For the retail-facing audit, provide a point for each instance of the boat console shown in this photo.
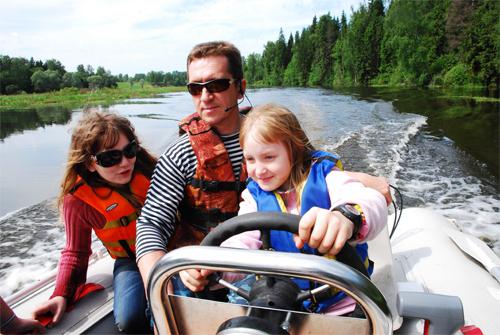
(182, 315)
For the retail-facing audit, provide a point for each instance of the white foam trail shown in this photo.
(331, 147)
(12, 214)
(411, 130)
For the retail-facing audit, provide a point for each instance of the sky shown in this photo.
(131, 36)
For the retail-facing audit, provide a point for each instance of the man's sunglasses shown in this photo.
(212, 86)
(112, 157)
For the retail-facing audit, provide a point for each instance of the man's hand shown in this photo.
(195, 279)
(327, 231)
(379, 184)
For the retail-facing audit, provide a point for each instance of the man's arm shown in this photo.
(156, 223)
(379, 184)
(146, 263)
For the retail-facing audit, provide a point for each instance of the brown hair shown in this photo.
(219, 48)
(94, 132)
(273, 123)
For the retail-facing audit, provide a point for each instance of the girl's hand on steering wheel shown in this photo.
(325, 230)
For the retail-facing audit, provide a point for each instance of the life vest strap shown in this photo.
(127, 249)
(121, 248)
(338, 163)
(209, 219)
(116, 244)
(123, 221)
(215, 186)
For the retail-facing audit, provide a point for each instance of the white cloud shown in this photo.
(129, 36)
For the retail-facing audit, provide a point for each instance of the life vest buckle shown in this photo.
(209, 185)
(124, 221)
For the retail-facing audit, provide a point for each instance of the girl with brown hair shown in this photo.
(103, 189)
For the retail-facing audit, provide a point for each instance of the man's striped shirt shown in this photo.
(175, 168)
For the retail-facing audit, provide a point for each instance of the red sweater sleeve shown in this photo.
(79, 219)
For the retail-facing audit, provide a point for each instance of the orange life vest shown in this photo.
(118, 233)
(213, 194)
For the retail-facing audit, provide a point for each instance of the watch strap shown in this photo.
(356, 219)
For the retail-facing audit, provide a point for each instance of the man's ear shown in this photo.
(243, 86)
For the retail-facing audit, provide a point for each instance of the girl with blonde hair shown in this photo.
(288, 175)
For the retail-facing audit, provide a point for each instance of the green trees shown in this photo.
(20, 75)
(175, 78)
(417, 43)
(15, 75)
(159, 78)
(324, 36)
(414, 42)
(253, 71)
(481, 47)
(274, 61)
(46, 81)
(155, 77)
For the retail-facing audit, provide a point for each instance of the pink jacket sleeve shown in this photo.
(344, 189)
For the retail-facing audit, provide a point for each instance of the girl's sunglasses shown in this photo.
(212, 86)
(112, 157)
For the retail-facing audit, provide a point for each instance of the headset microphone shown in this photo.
(227, 109)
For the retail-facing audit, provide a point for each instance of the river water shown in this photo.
(441, 153)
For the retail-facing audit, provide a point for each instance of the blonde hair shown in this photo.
(272, 123)
(94, 132)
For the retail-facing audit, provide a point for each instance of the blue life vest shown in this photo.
(314, 194)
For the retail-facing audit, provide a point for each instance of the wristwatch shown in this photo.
(350, 212)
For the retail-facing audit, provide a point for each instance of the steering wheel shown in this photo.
(274, 221)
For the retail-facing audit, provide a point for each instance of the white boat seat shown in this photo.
(380, 252)
(86, 314)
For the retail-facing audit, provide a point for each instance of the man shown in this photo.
(209, 151)
(216, 83)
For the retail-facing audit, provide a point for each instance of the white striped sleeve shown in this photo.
(174, 170)
(156, 223)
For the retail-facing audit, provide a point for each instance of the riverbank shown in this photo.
(476, 94)
(76, 98)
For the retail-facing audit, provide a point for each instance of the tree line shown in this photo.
(18, 75)
(409, 43)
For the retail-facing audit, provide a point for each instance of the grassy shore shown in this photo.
(77, 98)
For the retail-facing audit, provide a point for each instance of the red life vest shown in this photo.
(213, 194)
(118, 233)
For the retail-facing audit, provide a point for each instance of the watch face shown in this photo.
(352, 209)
